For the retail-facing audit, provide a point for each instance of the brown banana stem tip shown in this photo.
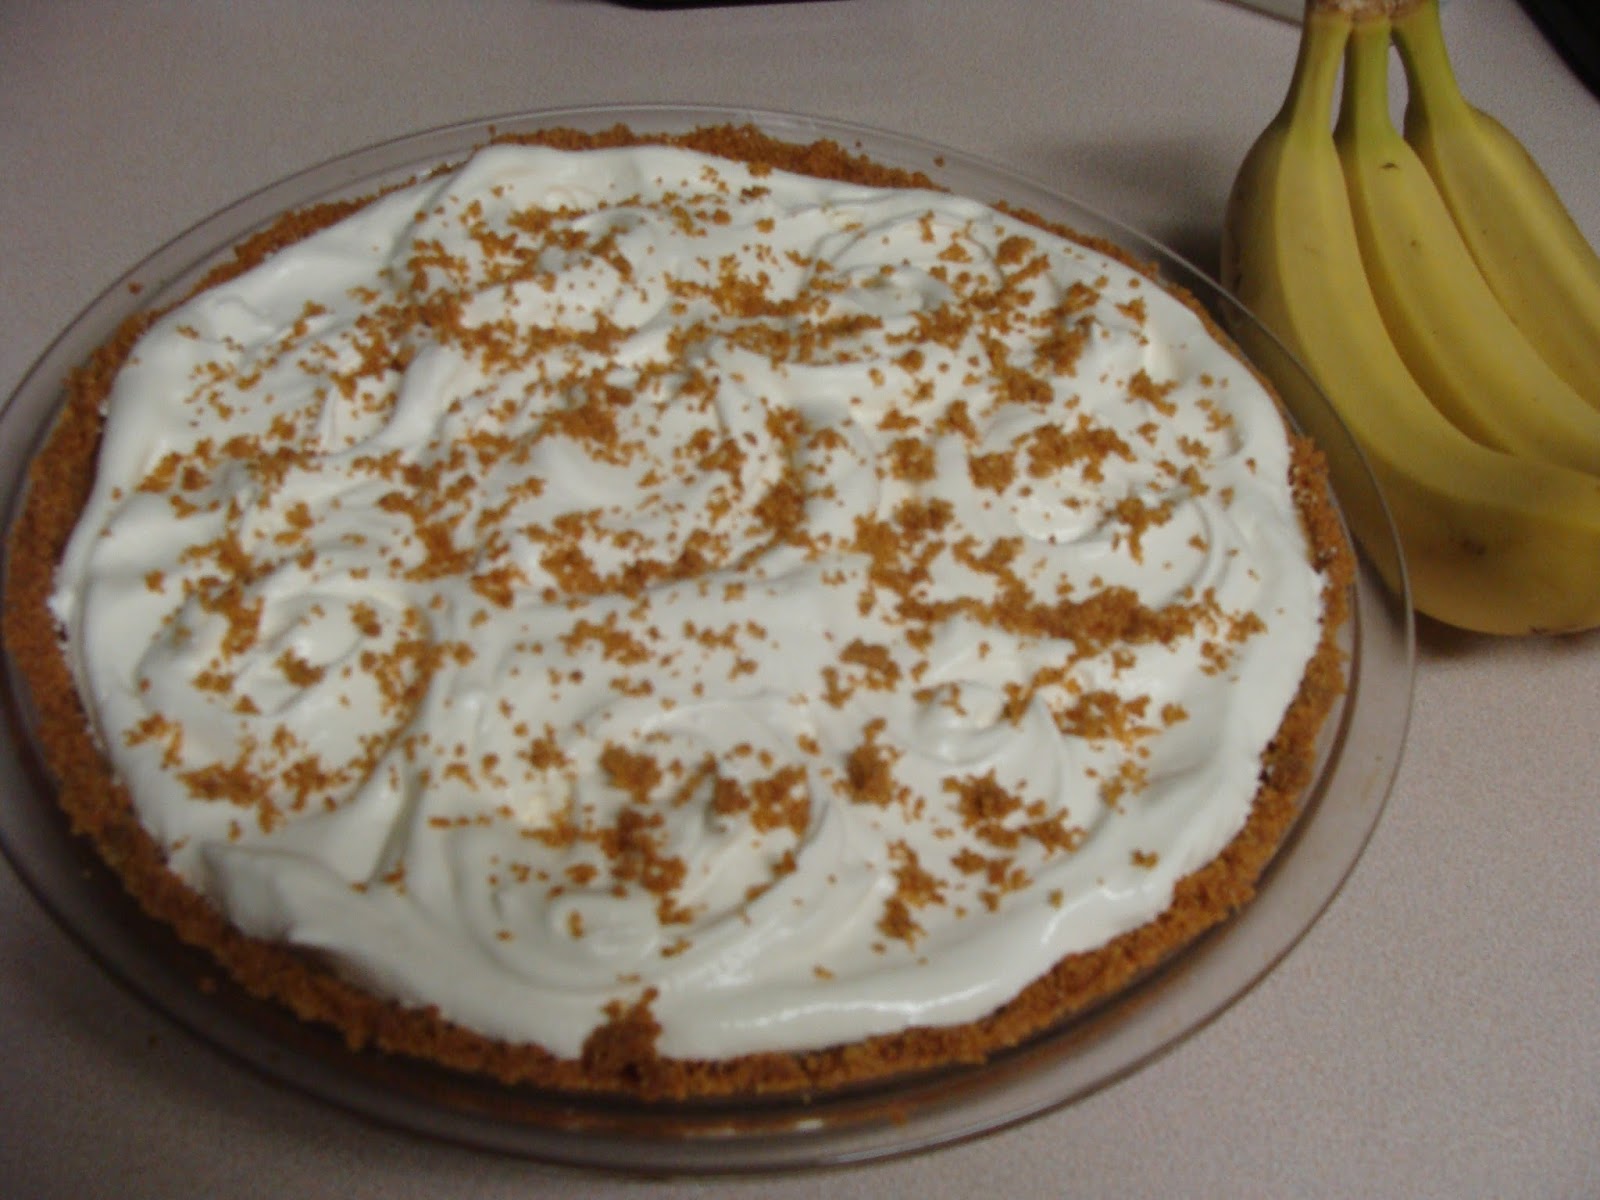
(1364, 9)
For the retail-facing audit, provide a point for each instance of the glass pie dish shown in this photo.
(1358, 756)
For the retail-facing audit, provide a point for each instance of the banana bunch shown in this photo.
(1442, 298)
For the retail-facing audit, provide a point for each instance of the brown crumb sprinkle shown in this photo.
(621, 1055)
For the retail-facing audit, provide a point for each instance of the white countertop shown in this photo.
(1437, 1033)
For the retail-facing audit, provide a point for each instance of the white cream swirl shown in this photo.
(591, 573)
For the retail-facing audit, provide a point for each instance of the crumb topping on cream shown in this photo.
(592, 579)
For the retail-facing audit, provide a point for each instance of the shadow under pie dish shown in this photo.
(668, 624)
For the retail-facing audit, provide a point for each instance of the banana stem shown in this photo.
(1429, 75)
(1365, 105)
(1322, 39)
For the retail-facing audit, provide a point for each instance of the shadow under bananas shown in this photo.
(1440, 642)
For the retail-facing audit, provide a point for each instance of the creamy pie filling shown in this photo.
(628, 579)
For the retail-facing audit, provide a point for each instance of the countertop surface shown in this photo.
(1437, 1032)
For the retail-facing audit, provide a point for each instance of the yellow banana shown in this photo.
(1473, 362)
(1534, 256)
(1492, 542)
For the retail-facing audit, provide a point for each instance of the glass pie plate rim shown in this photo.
(1359, 759)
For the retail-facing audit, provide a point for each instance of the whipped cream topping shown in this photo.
(617, 577)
